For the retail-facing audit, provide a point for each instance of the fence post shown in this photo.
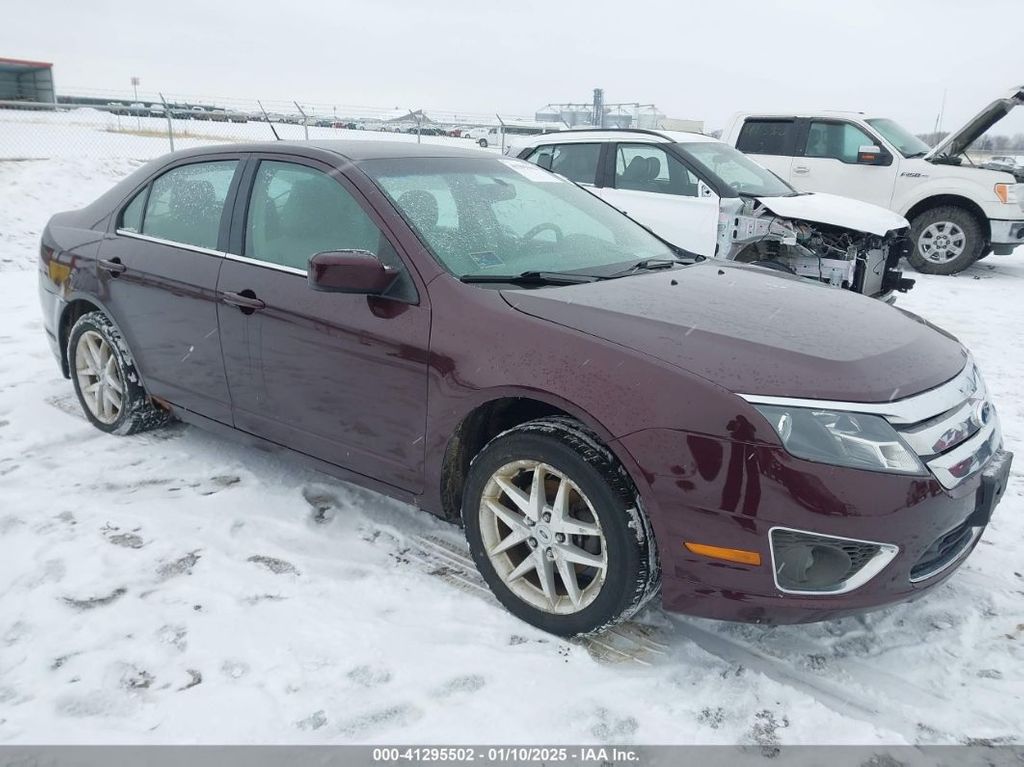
(305, 120)
(502, 123)
(170, 125)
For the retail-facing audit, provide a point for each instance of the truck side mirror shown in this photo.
(873, 155)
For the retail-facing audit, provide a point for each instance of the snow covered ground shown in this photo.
(177, 587)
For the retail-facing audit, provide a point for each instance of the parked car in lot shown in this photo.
(958, 212)
(704, 196)
(486, 340)
(484, 137)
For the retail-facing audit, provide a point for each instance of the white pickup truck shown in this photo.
(958, 212)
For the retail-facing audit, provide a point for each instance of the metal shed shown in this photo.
(22, 80)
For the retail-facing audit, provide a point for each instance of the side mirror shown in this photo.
(350, 271)
(873, 155)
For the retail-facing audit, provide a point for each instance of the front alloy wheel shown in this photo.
(556, 529)
(942, 242)
(542, 537)
(947, 240)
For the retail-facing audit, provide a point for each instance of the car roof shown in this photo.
(355, 150)
(805, 114)
(616, 134)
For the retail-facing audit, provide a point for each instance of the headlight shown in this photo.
(843, 439)
(1007, 193)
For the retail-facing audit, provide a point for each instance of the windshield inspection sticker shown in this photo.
(531, 171)
(486, 259)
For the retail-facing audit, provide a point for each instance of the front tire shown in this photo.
(555, 529)
(483, 143)
(946, 239)
(106, 381)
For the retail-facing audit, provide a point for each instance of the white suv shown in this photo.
(707, 198)
(959, 212)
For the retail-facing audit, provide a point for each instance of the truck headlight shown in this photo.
(843, 439)
(1007, 193)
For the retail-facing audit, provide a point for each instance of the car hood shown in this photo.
(820, 208)
(755, 331)
(956, 142)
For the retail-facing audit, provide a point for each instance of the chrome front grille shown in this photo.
(963, 433)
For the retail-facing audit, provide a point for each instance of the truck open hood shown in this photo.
(755, 331)
(956, 142)
(820, 208)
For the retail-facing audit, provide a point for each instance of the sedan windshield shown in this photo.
(492, 216)
(739, 172)
(906, 142)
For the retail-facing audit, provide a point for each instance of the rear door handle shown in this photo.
(801, 169)
(243, 301)
(113, 265)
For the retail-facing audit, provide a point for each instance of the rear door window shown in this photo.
(186, 203)
(776, 137)
(577, 162)
(131, 216)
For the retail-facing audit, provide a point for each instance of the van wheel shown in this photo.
(555, 529)
(483, 143)
(946, 239)
(107, 384)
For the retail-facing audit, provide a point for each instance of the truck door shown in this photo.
(827, 161)
(771, 142)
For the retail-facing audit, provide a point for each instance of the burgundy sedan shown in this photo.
(480, 337)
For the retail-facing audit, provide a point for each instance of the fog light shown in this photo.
(811, 563)
(812, 566)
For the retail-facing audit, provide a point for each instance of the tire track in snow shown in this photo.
(623, 643)
(890, 697)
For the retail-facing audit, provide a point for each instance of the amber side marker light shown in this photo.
(730, 555)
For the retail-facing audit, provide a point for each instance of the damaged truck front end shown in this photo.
(862, 261)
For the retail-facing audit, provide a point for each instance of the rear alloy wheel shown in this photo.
(553, 526)
(946, 240)
(107, 384)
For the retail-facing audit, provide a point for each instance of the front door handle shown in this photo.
(801, 169)
(113, 266)
(246, 301)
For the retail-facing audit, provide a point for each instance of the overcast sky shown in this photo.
(701, 60)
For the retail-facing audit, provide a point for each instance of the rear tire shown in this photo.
(946, 240)
(106, 381)
(571, 553)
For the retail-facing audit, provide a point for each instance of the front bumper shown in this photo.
(732, 495)
(1006, 235)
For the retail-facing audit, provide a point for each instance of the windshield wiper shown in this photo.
(532, 278)
(647, 265)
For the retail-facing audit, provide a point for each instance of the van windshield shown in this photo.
(497, 216)
(739, 172)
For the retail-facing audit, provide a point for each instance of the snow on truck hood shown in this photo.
(821, 208)
(956, 142)
(755, 331)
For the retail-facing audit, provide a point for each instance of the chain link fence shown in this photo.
(140, 130)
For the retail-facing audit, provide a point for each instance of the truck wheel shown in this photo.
(483, 143)
(946, 239)
(555, 529)
(107, 384)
